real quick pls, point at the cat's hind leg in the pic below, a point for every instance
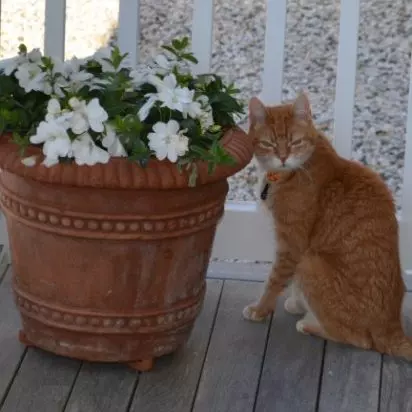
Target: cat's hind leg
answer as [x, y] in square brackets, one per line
[330, 315]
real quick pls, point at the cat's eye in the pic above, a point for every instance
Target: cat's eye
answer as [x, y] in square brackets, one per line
[297, 142]
[266, 144]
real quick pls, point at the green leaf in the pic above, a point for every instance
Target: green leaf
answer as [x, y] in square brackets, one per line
[193, 175]
[190, 57]
[171, 50]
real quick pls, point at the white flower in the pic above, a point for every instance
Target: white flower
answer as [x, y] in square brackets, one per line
[145, 109]
[163, 65]
[175, 97]
[91, 115]
[96, 115]
[10, 65]
[53, 107]
[85, 151]
[206, 115]
[76, 78]
[60, 146]
[31, 77]
[104, 56]
[167, 141]
[56, 114]
[34, 55]
[48, 131]
[29, 161]
[56, 142]
[140, 75]
[112, 143]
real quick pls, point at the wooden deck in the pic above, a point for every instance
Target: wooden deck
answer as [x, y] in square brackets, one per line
[229, 365]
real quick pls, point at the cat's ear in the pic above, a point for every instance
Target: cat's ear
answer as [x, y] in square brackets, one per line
[257, 111]
[301, 108]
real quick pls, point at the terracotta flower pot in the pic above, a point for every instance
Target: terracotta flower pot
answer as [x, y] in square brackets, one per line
[109, 261]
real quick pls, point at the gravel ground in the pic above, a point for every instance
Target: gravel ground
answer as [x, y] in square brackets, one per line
[385, 41]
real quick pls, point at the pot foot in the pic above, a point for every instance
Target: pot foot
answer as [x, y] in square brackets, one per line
[144, 365]
[23, 339]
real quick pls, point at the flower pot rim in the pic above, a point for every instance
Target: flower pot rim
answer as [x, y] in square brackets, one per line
[122, 173]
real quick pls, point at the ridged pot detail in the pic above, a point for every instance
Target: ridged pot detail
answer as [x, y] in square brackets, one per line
[109, 262]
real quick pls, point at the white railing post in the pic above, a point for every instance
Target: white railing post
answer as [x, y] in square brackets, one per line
[129, 29]
[406, 214]
[54, 30]
[272, 79]
[202, 34]
[407, 170]
[346, 76]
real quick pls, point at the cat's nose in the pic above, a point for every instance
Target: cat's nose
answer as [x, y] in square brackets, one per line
[283, 159]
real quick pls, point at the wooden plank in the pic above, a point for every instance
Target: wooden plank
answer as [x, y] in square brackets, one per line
[233, 363]
[43, 383]
[396, 392]
[292, 368]
[346, 76]
[258, 272]
[202, 34]
[11, 351]
[54, 28]
[171, 386]
[351, 379]
[274, 51]
[102, 387]
[129, 29]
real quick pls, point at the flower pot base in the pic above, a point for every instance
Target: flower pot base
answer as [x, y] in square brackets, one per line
[23, 339]
[143, 365]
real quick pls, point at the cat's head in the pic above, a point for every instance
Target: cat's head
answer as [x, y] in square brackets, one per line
[284, 136]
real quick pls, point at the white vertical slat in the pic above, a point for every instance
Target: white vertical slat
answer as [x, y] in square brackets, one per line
[272, 79]
[407, 171]
[346, 76]
[406, 219]
[202, 34]
[54, 30]
[129, 29]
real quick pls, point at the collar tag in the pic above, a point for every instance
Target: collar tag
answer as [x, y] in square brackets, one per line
[271, 177]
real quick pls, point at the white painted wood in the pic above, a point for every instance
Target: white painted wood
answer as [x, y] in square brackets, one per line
[129, 29]
[245, 233]
[346, 76]
[202, 34]
[272, 79]
[407, 171]
[54, 30]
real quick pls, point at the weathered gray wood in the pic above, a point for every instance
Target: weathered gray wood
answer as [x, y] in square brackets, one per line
[292, 368]
[231, 372]
[102, 388]
[43, 383]
[350, 379]
[239, 271]
[11, 350]
[396, 387]
[171, 386]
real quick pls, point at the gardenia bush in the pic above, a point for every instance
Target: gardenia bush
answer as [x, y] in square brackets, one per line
[89, 110]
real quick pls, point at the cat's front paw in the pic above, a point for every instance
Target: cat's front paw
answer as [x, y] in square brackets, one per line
[254, 313]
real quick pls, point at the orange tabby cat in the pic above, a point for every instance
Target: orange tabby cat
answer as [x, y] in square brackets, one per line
[337, 235]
